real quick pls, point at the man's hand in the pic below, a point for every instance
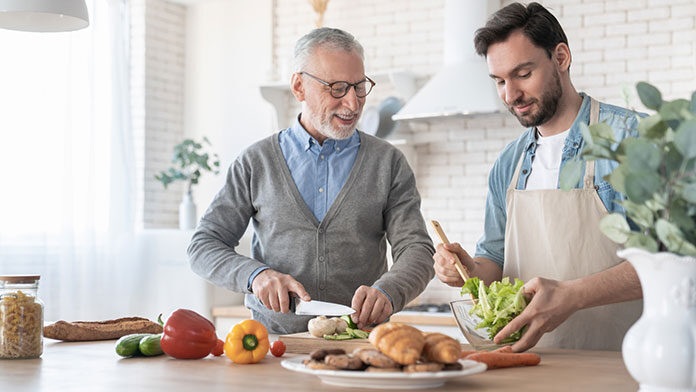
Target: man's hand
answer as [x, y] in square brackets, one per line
[371, 306]
[552, 302]
[273, 289]
[445, 265]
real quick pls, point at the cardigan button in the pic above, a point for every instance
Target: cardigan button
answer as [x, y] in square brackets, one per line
[321, 258]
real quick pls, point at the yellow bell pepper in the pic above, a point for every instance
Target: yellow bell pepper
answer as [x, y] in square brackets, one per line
[247, 342]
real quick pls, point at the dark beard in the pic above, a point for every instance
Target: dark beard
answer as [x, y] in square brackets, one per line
[547, 107]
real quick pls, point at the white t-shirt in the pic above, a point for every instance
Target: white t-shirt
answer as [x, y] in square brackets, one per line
[547, 162]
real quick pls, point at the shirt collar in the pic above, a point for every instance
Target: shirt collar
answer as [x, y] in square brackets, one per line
[302, 138]
[575, 135]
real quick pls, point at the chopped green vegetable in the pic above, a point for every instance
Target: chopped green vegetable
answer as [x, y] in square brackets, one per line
[338, 336]
[497, 304]
[357, 333]
[349, 321]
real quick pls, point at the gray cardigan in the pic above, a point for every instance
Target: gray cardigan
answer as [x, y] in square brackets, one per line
[332, 258]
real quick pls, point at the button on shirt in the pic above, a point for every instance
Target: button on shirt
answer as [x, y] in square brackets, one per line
[622, 121]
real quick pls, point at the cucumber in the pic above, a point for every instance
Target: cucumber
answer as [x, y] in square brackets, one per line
[357, 333]
[338, 336]
[349, 321]
[150, 346]
[127, 345]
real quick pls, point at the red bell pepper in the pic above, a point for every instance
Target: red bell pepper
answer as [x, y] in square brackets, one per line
[188, 335]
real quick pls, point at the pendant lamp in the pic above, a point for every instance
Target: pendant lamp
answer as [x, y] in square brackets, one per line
[43, 15]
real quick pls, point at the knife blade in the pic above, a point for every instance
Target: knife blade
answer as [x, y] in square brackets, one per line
[321, 308]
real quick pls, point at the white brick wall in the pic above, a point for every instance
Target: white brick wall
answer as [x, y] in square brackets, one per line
[615, 43]
[157, 82]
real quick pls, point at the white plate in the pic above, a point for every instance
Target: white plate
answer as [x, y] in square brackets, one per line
[396, 380]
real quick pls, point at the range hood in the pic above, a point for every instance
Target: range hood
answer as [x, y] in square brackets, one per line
[462, 87]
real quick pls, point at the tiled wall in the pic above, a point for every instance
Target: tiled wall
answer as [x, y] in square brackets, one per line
[157, 83]
[614, 45]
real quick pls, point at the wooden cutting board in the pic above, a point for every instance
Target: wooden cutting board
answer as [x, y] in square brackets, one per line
[304, 343]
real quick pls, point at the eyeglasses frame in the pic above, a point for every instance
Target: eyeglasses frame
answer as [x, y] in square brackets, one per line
[354, 85]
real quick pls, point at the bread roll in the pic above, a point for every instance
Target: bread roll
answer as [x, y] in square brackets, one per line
[441, 348]
[400, 342]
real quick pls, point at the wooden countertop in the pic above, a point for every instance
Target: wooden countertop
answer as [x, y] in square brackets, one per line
[445, 319]
[94, 366]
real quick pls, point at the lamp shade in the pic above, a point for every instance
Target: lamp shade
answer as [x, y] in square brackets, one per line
[43, 15]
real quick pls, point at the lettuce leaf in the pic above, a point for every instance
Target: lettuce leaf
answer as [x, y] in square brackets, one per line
[497, 304]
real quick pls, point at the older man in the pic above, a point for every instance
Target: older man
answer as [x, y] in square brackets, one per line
[324, 199]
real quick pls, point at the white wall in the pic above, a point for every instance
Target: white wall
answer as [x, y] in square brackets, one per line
[228, 55]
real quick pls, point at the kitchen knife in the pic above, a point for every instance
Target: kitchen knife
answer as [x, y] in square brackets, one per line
[321, 308]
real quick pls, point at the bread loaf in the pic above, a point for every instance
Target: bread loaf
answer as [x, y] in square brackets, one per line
[400, 342]
[99, 330]
[441, 348]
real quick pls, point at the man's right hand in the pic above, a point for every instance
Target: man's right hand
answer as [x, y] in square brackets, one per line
[273, 289]
[445, 265]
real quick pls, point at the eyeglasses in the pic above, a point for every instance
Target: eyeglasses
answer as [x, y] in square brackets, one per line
[340, 89]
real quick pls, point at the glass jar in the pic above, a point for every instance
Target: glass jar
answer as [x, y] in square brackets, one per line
[21, 317]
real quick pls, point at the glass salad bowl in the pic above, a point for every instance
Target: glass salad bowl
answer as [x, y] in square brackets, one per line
[468, 321]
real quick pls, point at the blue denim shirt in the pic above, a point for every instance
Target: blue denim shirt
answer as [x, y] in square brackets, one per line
[624, 122]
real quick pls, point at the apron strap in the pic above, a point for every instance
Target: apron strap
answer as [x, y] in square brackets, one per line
[516, 175]
[588, 180]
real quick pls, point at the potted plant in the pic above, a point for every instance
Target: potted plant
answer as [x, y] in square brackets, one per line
[657, 173]
[190, 160]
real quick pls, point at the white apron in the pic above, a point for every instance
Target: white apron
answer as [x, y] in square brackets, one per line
[555, 234]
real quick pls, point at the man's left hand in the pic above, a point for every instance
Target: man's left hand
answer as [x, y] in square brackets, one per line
[552, 302]
[371, 306]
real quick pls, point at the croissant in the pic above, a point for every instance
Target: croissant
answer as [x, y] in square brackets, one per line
[400, 342]
[441, 348]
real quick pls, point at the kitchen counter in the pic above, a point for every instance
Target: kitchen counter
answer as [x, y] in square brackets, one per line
[94, 366]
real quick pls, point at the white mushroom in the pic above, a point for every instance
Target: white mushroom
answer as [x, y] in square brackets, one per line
[320, 326]
[341, 324]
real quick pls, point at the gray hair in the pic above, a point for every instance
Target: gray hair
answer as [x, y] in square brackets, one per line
[326, 37]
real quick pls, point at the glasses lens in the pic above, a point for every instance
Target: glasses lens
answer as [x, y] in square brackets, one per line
[339, 89]
[363, 88]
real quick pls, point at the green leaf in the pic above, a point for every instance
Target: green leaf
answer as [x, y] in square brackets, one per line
[685, 139]
[640, 186]
[597, 151]
[693, 103]
[671, 112]
[615, 227]
[642, 155]
[673, 238]
[672, 159]
[649, 95]
[639, 213]
[641, 240]
[571, 173]
[679, 215]
[617, 178]
[586, 134]
[689, 193]
[602, 131]
[652, 127]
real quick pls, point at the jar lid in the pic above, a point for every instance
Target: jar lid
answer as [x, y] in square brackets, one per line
[19, 278]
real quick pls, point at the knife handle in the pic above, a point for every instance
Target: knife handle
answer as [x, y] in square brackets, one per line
[457, 263]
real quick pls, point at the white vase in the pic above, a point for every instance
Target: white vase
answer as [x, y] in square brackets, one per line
[660, 348]
[187, 212]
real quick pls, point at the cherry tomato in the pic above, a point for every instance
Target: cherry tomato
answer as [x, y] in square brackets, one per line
[217, 350]
[278, 348]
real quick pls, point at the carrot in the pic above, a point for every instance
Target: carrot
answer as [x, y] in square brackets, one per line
[466, 353]
[504, 349]
[502, 360]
